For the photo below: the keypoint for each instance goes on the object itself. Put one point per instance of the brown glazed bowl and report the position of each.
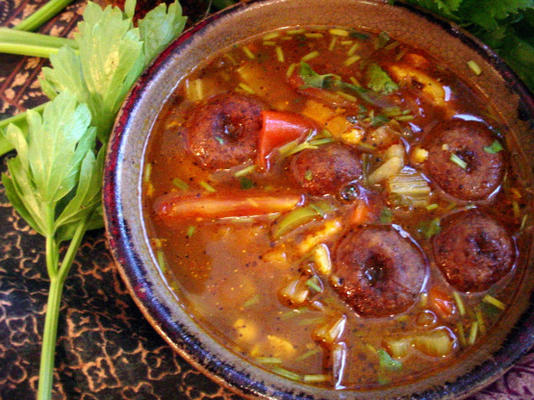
(123, 176)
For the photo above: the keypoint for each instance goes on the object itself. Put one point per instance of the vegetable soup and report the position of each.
(336, 207)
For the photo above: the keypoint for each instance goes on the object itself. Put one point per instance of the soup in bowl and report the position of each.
(327, 204)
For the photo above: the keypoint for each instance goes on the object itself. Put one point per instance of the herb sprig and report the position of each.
(54, 182)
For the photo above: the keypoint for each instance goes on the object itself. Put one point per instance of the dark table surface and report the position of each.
(105, 348)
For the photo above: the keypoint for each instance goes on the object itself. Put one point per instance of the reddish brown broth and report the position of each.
(231, 272)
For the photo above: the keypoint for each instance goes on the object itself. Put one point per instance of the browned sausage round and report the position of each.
(473, 251)
(325, 169)
(466, 140)
(380, 272)
(223, 131)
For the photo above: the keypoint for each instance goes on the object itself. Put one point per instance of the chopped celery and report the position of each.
(286, 373)
(245, 171)
(207, 186)
(473, 333)
(161, 261)
(494, 302)
(293, 220)
(190, 231)
(316, 378)
(410, 187)
(314, 283)
(459, 303)
(252, 301)
(148, 170)
(180, 184)
(308, 354)
(458, 161)
(269, 360)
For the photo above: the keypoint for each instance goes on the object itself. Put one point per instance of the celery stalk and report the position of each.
(31, 44)
(45, 13)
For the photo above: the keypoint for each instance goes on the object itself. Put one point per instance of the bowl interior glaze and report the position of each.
(124, 165)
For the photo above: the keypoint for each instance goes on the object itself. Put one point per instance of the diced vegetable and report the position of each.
(388, 169)
(419, 155)
(473, 333)
(459, 303)
(330, 228)
(174, 207)
(321, 257)
(436, 343)
(410, 188)
(398, 347)
(430, 87)
(293, 220)
(331, 332)
(279, 128)
(180, 184)
(295, 292)
(316, 378)
(473, 66)
(494, 302)
(190, 231)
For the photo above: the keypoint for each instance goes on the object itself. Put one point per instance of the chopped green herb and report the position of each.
(314, 35)
(148, 170)
(308, 175)
(295, 31)
(180, 184)
(322, 208)
(332, 43)
(353, 49)
(246, 183)
(338, 32)
(308, 354)
(494, 302)
(379, 120)
(461, 334)
(269, 360)
(495, 147)
(458, 161)
(279, 54)
(523, 222)
(247, 89)
(252, 301)
(316, 378)
(207, 186)
(516, 209)
(286, 374)
(190, 231)
(382, 39)
(405, 117)
(313, 284)
(432, 207)
(473, 66)
(379, 80)
(313, 79)
(429, 228)
(245, 171)
(480, 320)
(161, 261)
(291, 69)
(310, 56)
(473, 333)
(358, 35)
(459, 303)
(386, 216)
(292, 220)
(351, 60)
(219, 139)
(271, 35)
(249, 53)
(386, 362)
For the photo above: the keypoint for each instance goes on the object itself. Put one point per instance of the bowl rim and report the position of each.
(517, 343)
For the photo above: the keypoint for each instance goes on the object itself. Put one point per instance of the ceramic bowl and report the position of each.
(123, 175)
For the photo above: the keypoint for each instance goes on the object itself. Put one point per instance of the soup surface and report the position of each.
(336, 207)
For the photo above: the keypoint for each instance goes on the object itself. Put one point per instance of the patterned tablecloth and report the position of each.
(105, 348)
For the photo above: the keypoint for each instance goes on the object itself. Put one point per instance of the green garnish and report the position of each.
(316, 378)
(386, 362)
(381, 40)
(386, 216)
(473, 66)
(246, 183)
(286, 374)
(220, 140)
(495, 147)
(161, 261)
(461, 334)
(429, 228)
(207, 186)
(473, 333)
(313, 284)
(252, 301)
(314, 80)
(358, 35)
(292, 220)
(279, 54)
(458, 161)
(379, 120)
(459, 303)
(432, 207)
(379, 80)
(248, 53)
(494, 302)
(190, 231)
(246, 88)
(308, 175)
(180, 184)
(311, 55)
(245, 171)
(269, 360)
(148, 171)
(308, 354)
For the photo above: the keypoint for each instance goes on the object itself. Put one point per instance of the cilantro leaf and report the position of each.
(379, 80)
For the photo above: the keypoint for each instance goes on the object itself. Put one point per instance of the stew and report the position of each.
(337, 207)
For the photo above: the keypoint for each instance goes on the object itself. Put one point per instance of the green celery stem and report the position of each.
(46, 369)
(57, 280)
(31, 44)
(20, 116)
(42, 15)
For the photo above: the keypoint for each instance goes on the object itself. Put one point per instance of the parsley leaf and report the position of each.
(379, 80)
(495, 147)
(314, 80)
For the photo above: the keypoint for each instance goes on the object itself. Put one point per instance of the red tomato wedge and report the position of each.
(174, 206)
(279, 128)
